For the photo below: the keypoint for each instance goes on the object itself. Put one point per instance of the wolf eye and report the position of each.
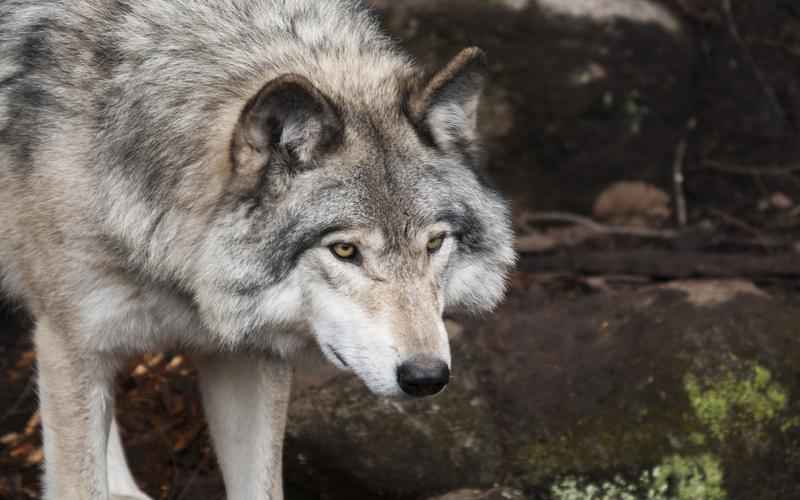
(435, 244)
(344, 251)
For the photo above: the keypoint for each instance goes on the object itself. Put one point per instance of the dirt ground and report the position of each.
(574, 108)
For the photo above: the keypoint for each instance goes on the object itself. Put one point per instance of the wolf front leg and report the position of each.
(120, 480)
(246, 398)
(75, 392)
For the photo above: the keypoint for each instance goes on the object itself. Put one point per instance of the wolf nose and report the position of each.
(423, 376)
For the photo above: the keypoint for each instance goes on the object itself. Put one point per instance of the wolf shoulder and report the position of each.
(131, 96)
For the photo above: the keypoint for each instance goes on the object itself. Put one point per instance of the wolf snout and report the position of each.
(423, 376)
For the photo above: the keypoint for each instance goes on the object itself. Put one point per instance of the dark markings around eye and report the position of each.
(467, 228)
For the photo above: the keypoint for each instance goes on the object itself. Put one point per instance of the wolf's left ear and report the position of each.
(447, 107)
(289, 119)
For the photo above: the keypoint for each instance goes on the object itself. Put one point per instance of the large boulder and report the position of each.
(687, 391)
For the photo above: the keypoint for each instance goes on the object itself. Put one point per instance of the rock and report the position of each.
(649, 390)
(632, 204)
(637, 11)
(712, 293)
(390, 445)
(781, 201)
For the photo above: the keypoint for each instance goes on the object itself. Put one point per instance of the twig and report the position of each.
(173, 459)
(19, 401)
(597, 227)
(195, 473)
(775, 44)
(763, 240)
(732, 168)
(678, 177)
(662, 264)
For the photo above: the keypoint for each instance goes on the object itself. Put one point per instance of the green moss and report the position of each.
(676, 478)
(602, 443)
(790, 424)
(731, 404)
(621, 438)
(741, 404)
(697, 439)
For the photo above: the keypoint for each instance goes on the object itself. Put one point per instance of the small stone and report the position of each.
(781, 201)
(632, 203)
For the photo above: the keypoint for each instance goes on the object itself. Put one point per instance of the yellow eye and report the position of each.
(344, 251)
(435, 244)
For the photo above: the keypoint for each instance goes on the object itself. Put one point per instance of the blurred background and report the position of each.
(650, 344)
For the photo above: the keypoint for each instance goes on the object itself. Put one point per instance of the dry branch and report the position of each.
(661, 264)
(591, 224)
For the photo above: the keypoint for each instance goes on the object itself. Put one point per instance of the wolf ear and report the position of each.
(289, 119)
(447, 107)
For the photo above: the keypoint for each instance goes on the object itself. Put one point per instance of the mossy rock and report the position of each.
(656, 392)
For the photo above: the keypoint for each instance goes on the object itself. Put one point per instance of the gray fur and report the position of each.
(157, 192)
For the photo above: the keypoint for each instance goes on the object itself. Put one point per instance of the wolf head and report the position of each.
(362, 220)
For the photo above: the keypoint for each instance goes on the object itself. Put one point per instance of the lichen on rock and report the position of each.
(740, 404)
(676, 478)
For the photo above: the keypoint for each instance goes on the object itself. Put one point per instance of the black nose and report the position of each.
(423, 376)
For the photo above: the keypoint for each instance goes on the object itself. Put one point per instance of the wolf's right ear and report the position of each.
(289, 119)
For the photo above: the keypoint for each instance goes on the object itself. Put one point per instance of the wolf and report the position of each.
(242, 180)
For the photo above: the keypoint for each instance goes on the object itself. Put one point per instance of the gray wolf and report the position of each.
(242, 180)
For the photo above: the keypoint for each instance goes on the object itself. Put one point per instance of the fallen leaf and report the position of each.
(32, 426)
(10, 439)
(35, 457)
(27, 360)
(175, 363)
(154, 360)
(22, 450)
(186, 437)
(140, 371)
